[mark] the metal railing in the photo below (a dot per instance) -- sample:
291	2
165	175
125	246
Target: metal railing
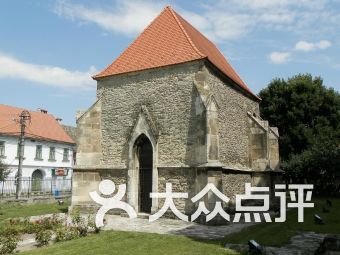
48	187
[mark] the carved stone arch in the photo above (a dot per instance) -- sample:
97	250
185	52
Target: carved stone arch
144	126
212	104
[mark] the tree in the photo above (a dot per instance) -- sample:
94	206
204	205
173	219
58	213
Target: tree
307	115
3	171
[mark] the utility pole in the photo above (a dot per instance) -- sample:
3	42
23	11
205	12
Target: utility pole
24	116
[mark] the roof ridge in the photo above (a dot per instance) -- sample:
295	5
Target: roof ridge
174	14
132	43
29	110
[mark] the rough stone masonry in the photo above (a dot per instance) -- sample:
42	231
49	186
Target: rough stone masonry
185	123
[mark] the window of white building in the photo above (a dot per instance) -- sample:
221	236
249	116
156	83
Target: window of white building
38	152
52	154
2	149
66	155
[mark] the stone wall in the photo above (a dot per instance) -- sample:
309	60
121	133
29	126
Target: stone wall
264	144
178	111
182	180
233	130
233	183
167	93
89	137
202	128
85	181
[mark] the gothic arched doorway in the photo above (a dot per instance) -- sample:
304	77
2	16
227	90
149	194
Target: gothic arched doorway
145	166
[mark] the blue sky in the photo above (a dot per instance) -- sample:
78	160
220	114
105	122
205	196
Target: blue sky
50	48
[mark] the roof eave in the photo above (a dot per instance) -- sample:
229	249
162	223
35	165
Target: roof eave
97	77
17	134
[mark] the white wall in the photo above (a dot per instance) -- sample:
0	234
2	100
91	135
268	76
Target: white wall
30	163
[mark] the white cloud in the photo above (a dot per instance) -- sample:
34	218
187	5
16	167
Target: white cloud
128	17
279	57
220	20
304	46
324	44
309	46
279	4
277	18
227	26
13	68
131	17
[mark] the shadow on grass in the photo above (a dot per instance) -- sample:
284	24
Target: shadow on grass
279	234
63	210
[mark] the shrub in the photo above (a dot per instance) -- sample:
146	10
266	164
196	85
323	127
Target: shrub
50	222
91	223
29	227
32	228
82	230
66	233
8	243
16	227
11	230
79	222
43	237
75	216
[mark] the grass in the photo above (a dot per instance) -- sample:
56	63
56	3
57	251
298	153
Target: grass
118	242
13	210
278	234
112	242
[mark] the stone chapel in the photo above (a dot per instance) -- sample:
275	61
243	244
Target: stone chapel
172	109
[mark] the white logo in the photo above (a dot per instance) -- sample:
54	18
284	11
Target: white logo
107	187
169	203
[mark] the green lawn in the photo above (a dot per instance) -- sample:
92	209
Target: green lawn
116	242
278	234
113	242
13	210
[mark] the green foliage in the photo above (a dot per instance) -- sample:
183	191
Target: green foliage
307	115
301	107
16	227
11	230
318	165
3	171
66	233
8	243
133	243
91	223
278	234
32	228
15	210
49	222
75	216
79	222
43	237
24	226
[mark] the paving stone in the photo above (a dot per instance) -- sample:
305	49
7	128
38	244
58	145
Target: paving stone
172	227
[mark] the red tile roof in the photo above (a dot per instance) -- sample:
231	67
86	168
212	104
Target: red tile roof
43	126
168	40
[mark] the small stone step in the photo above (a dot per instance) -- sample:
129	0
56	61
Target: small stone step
139	215
143	215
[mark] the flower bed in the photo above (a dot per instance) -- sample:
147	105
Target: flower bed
45	229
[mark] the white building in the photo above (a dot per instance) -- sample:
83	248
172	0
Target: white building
48	150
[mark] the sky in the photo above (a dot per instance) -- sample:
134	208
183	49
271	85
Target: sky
49	49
